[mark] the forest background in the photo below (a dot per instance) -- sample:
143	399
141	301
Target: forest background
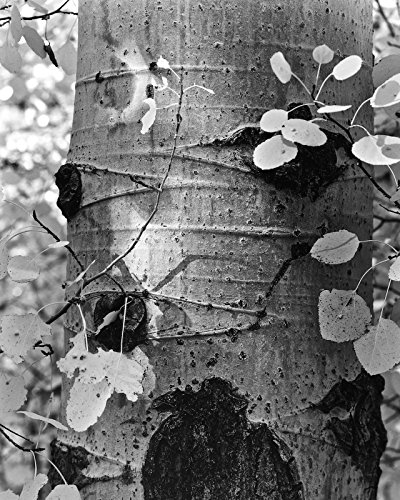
36	106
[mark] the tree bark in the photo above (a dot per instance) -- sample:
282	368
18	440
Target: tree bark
245	405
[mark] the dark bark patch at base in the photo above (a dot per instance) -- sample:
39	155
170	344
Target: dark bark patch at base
208	448
71	461
362	434
134	332
69	183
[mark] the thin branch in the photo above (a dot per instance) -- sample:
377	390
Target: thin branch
385	18
42	16
16	444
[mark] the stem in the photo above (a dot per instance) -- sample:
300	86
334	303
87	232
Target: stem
56	468
367	271
302	83
382	243
322	85
358	109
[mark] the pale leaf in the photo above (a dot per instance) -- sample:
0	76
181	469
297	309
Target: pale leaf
58	244
34	41
91	366
281	67
323	54
67	57
387	94
108	319
64	492
48	420
3	258
394	270
16	24
10	58
123	374
12	393
31	488
150	115
273	153
37	6
335	248
163	63
379	349
23	269
347	68
86	403
333	108
8	495
273	120
343	315
385	69
371	149
19	333
303	132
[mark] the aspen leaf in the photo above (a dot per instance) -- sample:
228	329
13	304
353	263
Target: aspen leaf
12	393
347	68
108	319
280	67
150	115
67	57
16	24
323	54
273	153
50	421
37	6
22	269
163	63
64	492
385	69
20	332
333	108
8	495
34	41
387	94
379	349
58	244
369	149
10	58
86	403
335	248
31	488
273	120
123	374
3	258
394	270
303	132
343	315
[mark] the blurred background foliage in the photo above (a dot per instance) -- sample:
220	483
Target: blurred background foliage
36	108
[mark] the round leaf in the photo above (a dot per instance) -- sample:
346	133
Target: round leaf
343	315
22	269
371	148
385	69
347	68
387	94
12	393
323	54
335	248
273	153
34	40
379	349
281	67
64	492
303	132
273	120
333	108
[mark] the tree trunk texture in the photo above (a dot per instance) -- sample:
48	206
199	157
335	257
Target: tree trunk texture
245	406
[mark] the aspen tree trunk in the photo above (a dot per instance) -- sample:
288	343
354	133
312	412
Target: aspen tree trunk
245	406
